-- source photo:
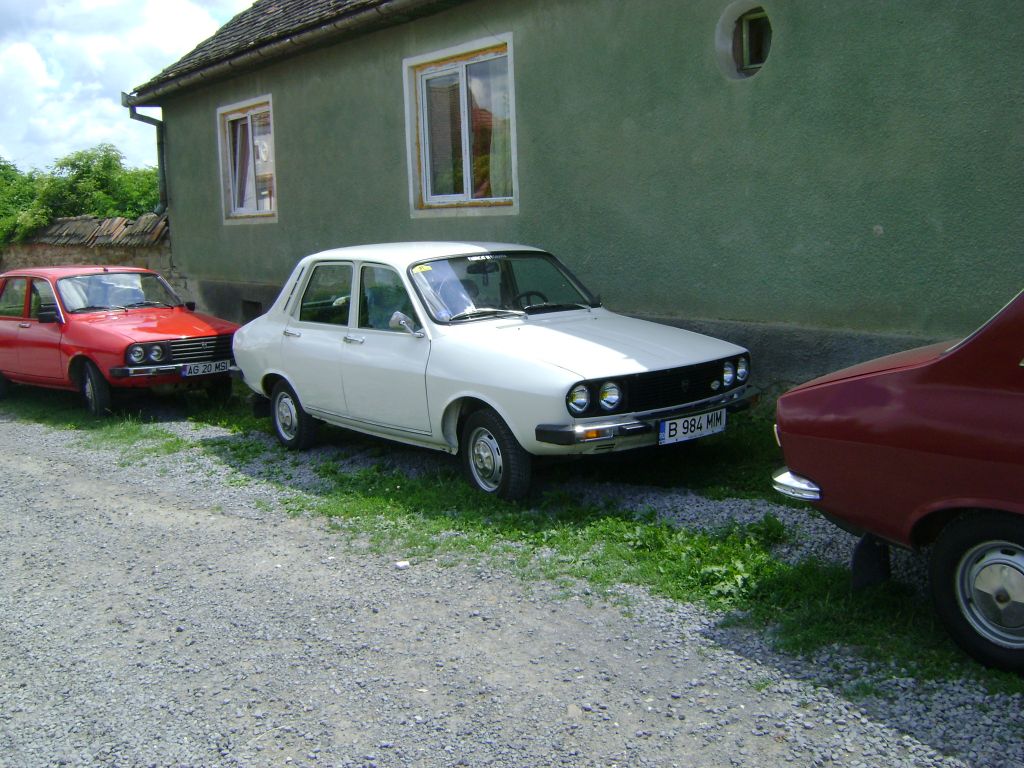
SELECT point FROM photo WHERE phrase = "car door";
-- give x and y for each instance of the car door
(39, 343)
(312, 346)
(13, 293)
(384, 367)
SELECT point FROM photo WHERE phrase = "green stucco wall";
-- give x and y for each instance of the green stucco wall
(869, 178)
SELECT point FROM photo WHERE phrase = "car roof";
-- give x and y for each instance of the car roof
(401, 255)
(55, 273)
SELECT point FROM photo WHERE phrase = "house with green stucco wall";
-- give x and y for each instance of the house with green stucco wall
(822, 182)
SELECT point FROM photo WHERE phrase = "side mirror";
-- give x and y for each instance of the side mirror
(400, 322)
(190, 306)
(47, 316)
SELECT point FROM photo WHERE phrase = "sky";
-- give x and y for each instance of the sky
(64, 64)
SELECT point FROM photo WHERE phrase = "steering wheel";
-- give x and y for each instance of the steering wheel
(519, 297)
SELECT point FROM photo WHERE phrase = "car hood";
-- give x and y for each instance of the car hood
(142, 325)
(908, 359)
(598, 343)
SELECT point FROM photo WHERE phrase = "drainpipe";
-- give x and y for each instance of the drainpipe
(161, 179)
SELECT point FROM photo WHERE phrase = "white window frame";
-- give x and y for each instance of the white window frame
(225, 115)
(454, 59)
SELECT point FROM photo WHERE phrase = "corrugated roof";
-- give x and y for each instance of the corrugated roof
(273, 28)
(89, 231)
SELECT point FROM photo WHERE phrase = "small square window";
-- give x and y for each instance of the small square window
(752, 41)
(461, 128)
(247, 160)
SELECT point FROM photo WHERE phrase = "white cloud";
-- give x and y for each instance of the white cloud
(64, 64)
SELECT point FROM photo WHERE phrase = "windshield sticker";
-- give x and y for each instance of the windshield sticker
(421, 268)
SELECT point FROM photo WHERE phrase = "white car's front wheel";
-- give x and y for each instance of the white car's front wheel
(492, 458)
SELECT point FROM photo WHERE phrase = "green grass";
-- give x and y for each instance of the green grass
(803, 608)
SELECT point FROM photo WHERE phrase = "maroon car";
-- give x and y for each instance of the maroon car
(926, 448)
(98, 329)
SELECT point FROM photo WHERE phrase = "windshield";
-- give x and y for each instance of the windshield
(494, 284)
(115, 290)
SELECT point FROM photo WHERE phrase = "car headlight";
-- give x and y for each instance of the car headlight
(136, 353)
(610, 396)
(728, 374)
(578, 399)
(156, 353)
(742, 369)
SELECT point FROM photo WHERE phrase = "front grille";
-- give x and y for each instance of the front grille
(201, 350)
(662, 389)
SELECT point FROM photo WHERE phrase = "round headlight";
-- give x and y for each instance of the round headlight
(156, 353)
(610, 396)
(742, 369)
(728, 374)
(578, 399)
(136, 354)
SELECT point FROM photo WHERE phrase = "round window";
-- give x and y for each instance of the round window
(743, 39)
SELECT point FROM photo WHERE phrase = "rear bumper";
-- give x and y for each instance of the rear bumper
(795, 486)
(630, 427)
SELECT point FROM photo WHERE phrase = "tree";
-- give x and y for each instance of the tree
(90, 182)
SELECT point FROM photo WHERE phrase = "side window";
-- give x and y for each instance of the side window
(248, 171)
(42, 298)
(381, 295)
(12, 297)
(328, 295)
(460, 128)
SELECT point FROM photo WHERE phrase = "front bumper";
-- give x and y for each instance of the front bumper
(639, 425)
(152, 371)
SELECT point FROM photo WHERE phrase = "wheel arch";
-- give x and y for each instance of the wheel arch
(927, 529)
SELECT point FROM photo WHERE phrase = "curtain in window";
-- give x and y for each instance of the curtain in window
(242, 184)
(490, 124)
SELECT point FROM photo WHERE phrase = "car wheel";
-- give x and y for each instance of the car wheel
(5, 386)
(492, 458)
(95, 390)
(977, 582)
(293, 426)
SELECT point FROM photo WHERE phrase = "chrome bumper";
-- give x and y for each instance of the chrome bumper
(637, 424)
(795, 486)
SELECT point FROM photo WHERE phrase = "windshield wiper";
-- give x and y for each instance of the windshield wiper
(484, 312)
(98, 308)
(549, 306)
(147, 303)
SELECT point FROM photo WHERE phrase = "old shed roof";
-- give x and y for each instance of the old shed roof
(271, 29)
(148, 229)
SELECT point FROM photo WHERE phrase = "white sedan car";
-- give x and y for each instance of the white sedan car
(491, 351)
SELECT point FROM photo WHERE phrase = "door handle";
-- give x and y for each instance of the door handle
(291, 333)
(349, 339)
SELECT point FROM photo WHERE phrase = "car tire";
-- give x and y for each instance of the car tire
(294, 428)
(5, 386)
(492, 458)
(95, 390)
(977, 583)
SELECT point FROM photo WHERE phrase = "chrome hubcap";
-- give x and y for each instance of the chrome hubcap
(485, 456)
(287, 417)
(990, 591)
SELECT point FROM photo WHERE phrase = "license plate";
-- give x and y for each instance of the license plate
(691, 427)
(205, 369)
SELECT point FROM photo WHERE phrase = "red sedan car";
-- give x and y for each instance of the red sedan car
(926, 448)
(95, 329)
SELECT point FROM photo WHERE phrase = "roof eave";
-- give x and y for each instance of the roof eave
(367, 20)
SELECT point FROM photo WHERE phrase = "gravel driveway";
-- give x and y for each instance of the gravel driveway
(171, 613)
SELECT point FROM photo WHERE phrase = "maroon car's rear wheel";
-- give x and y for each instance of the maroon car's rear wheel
(95, 390)
(977, 581)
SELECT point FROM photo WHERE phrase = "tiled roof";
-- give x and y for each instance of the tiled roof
(274, 28)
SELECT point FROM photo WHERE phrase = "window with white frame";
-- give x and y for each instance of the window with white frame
(247, 159)
(461, 127)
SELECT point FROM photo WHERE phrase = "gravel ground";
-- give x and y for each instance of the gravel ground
(172, 613)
